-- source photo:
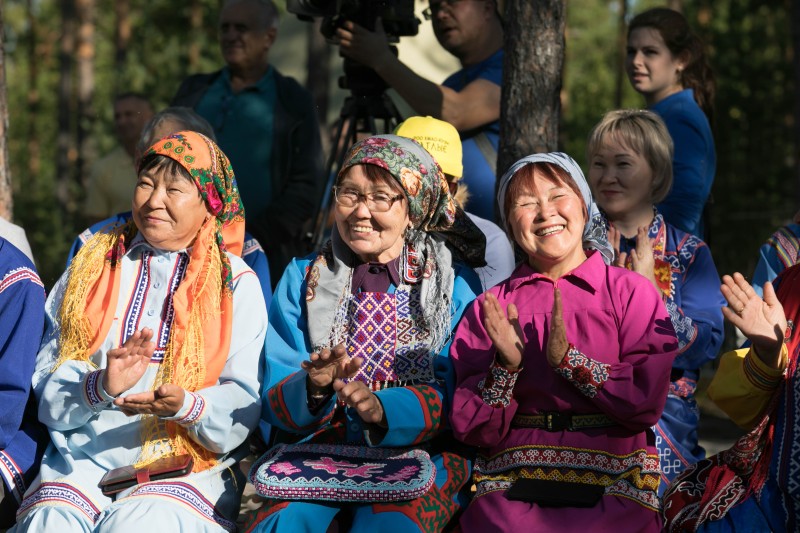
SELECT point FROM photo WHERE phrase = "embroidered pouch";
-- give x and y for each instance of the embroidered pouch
(342, 473)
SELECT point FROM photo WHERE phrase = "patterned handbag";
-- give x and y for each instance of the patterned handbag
(341, 473)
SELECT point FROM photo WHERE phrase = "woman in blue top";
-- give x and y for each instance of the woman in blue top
(667, 65)
(630, 156)
(357, 363)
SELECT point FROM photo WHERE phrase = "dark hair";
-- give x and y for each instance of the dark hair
(160, 162)
(682, 41)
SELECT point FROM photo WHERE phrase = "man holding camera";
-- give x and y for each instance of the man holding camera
(267, 125)
(472, 31)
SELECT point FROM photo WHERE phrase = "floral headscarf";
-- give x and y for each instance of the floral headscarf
(200, 335)
(594, 231)
(430, 205)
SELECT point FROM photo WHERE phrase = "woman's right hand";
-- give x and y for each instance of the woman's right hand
(761, 321)
(328, 365)
(126, 365)
(505, 332)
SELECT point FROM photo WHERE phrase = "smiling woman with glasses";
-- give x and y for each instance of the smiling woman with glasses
(357, 353)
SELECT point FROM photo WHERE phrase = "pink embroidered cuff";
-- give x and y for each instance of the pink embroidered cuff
(497, 388)
(587, 375)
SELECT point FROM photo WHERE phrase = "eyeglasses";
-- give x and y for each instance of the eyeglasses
(435, 7)
(377, 202)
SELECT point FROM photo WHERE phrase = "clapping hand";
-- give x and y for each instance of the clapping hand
(126, 365)
(328, 365)
(761, 321)
(357, 395)
(557, 341)
(642, 260)
(165, 401)
(505, 332)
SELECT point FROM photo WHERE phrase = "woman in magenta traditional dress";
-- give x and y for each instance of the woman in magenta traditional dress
(562, 370)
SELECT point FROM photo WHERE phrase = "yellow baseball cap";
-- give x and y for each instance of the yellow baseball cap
(438, 137)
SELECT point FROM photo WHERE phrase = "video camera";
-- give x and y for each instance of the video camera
(397, 15)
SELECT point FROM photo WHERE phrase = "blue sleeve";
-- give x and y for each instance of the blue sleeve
(698, 322)
(284, 400)
(767, 268)
(21, 326)
(257, 260)
(781, 251)
(490, 69)
(693, 167)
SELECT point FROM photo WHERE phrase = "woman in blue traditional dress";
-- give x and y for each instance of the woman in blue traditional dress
(630, 170)
(357, 361)
(754, 485)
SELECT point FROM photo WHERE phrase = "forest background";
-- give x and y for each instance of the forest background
(65, 60)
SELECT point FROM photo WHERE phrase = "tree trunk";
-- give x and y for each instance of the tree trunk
(6, 193)
(195, 35)
(795, 14)
(622, 53)
(86, 52)
(65, 146)
(532, 73)
(33, 100)
(122, 39)
(318, 65)
(675, 5)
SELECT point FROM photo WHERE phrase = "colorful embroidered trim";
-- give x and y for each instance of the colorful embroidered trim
(195, 411)
(685, 329)
(187, 495)
(19, 274)
(91, 389)
(498, 387)
(683, 388)
(12, 475)
(587, 375)
(634, 475)
(60, 494)
(756, 375)
(342, 473)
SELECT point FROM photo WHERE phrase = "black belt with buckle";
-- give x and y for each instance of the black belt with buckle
(555, 421)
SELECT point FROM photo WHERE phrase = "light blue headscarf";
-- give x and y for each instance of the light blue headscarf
(594, 232)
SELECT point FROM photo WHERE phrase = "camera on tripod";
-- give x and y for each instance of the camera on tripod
(397, 15)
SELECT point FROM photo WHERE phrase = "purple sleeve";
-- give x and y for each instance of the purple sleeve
(475, 421)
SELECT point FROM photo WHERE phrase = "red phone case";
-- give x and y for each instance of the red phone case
(119, 479)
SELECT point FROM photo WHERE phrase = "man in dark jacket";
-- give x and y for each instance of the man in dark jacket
(266, 123)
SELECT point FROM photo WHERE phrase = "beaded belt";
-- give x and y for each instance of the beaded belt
(556, 421)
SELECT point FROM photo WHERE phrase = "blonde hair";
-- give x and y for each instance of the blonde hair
(643, 132)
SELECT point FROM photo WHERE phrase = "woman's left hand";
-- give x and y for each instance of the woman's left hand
(642, 259)
(165, 401)
(557, 343)
(358, 396)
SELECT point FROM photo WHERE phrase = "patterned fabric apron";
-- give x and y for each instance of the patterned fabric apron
(382, 331)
